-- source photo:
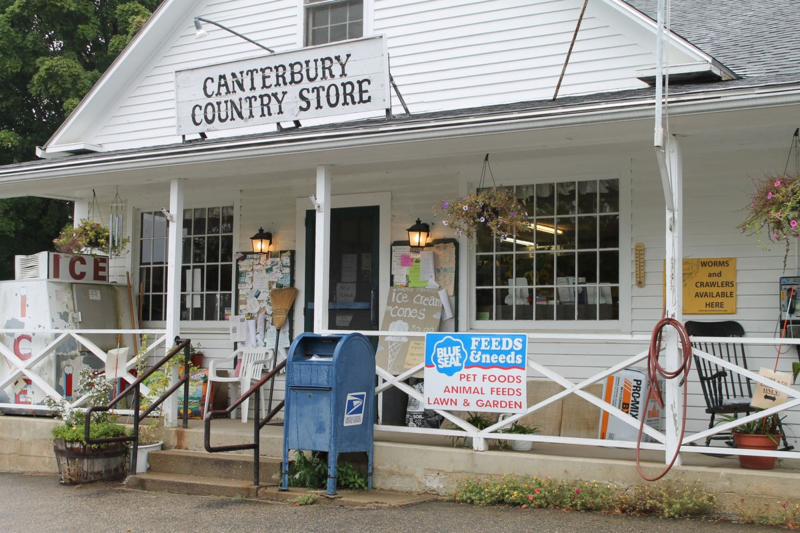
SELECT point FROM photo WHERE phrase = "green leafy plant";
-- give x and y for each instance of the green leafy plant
(311, 471)
(87, 237)
(305, 499)
(520, 429)
(479, 420)
(497, 209)
(780, 513)
(769, 426)
(103, 424)
(666, 499)
(775, 210)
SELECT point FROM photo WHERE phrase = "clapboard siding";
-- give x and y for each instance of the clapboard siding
(444, 55)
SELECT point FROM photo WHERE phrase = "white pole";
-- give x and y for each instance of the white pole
(174, 259)
(674, 274)
(322, 249)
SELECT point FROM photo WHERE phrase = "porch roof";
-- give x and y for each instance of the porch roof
(598, 108)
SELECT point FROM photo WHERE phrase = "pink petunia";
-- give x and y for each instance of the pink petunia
(530, 498)
(793, 223)
(577, 491)
(536, 491)
(775, 236)
(769, 196)
(778, 215)
(778, 183)
(524, 506)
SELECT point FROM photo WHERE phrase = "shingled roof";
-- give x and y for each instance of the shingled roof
(750, 37)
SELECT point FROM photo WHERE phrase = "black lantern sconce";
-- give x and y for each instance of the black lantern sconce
(261, 241)
(418, 234)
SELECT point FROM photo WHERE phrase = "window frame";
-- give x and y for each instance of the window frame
(223, 200)
(302, 30)
(625, 272)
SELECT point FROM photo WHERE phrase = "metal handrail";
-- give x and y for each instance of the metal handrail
(258, 422)
(181, 345)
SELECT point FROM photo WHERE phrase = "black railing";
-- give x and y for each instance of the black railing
(181, 345)
(258, 422)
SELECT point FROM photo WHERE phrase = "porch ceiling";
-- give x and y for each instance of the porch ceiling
(765, 128)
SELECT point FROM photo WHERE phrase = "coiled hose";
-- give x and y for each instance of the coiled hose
(654, 372)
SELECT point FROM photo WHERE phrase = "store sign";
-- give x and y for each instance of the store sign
(85, 268)
(476, 372)
(333, 79)
(709, 286)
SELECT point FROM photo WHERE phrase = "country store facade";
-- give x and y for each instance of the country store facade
(208, 141)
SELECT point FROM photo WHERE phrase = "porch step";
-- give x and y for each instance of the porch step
(222, 466)
(192, 485)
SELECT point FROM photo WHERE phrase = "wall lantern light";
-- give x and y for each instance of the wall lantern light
(261, 241)
(418, 234)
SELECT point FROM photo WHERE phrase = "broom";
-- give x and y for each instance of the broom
(282, 301)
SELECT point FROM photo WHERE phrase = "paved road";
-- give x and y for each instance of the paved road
(39, 504)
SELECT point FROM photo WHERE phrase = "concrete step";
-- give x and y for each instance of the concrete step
(192, 485)
(223, 466)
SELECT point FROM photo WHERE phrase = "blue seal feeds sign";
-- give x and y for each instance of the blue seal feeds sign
(449, 356)
(354, 408)
(476, 372)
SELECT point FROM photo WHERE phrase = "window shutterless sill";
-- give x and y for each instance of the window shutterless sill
(551, 326)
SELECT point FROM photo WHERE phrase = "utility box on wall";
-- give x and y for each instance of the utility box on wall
(330, 400)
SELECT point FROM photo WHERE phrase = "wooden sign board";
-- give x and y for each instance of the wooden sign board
(320, 81)
(765, 396)
(407, 310)
(709, 286)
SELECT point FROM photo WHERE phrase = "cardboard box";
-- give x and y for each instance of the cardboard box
(626, 391)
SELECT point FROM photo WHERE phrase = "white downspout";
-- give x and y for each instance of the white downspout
(322, 259)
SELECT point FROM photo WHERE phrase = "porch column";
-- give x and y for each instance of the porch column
(174, 259)
(80, 210)
(322, 249)
(674, 296)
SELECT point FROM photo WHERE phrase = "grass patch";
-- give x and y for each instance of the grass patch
(670, 499)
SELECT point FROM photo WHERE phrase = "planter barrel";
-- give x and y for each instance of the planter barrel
(756, 442)
(78, 463)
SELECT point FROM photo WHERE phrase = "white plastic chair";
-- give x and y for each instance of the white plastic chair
(251, 367)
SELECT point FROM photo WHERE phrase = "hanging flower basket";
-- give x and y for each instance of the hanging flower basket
(499, 210)
(496, 209)
(88, 237)
(775, 210)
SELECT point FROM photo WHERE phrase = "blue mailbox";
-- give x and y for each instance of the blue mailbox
(330, 400)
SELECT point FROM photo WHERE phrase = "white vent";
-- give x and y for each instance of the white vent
(30, 266)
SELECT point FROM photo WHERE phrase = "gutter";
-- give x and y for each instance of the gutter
(393, 133)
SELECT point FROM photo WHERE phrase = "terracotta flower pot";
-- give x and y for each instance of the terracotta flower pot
(756, 442)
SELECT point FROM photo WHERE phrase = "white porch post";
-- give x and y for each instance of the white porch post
(80, 210)
(674, 296)
(322, 249)
(174, 258)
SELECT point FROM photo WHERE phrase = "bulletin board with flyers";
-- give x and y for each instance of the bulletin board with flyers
(433, 267)
(256, 276)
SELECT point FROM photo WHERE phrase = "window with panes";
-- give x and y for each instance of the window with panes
(564, 268)
(153, 264)
(207, 270)
(329, 21)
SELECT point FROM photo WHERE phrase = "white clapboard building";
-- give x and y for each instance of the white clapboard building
(366, 114)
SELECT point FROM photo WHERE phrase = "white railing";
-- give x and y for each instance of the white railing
(479, 436)
(32, 368)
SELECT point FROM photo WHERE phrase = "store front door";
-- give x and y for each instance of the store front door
(354, 270)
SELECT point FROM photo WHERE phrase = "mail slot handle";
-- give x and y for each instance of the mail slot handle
(300, 387)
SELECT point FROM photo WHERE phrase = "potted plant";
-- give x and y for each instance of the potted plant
(87, 237)
(78, 462)
(775, 210)
(151, 439)
(497, 209)
(520, 429)
(480, 421)
(759, 434)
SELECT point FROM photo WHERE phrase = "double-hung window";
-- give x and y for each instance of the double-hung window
(329, 21)
(566, 267)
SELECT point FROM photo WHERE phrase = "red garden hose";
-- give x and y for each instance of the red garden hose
(656, 371)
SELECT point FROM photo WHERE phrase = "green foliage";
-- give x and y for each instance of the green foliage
(306, 499)
(99, 391)
(497, 209)
(312, 471)
(519, 429)
(664, 499)
(769, 426)
(28, 225)
(87, 237)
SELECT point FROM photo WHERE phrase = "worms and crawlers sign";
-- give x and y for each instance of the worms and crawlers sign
(321, 81)
(476, 372)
